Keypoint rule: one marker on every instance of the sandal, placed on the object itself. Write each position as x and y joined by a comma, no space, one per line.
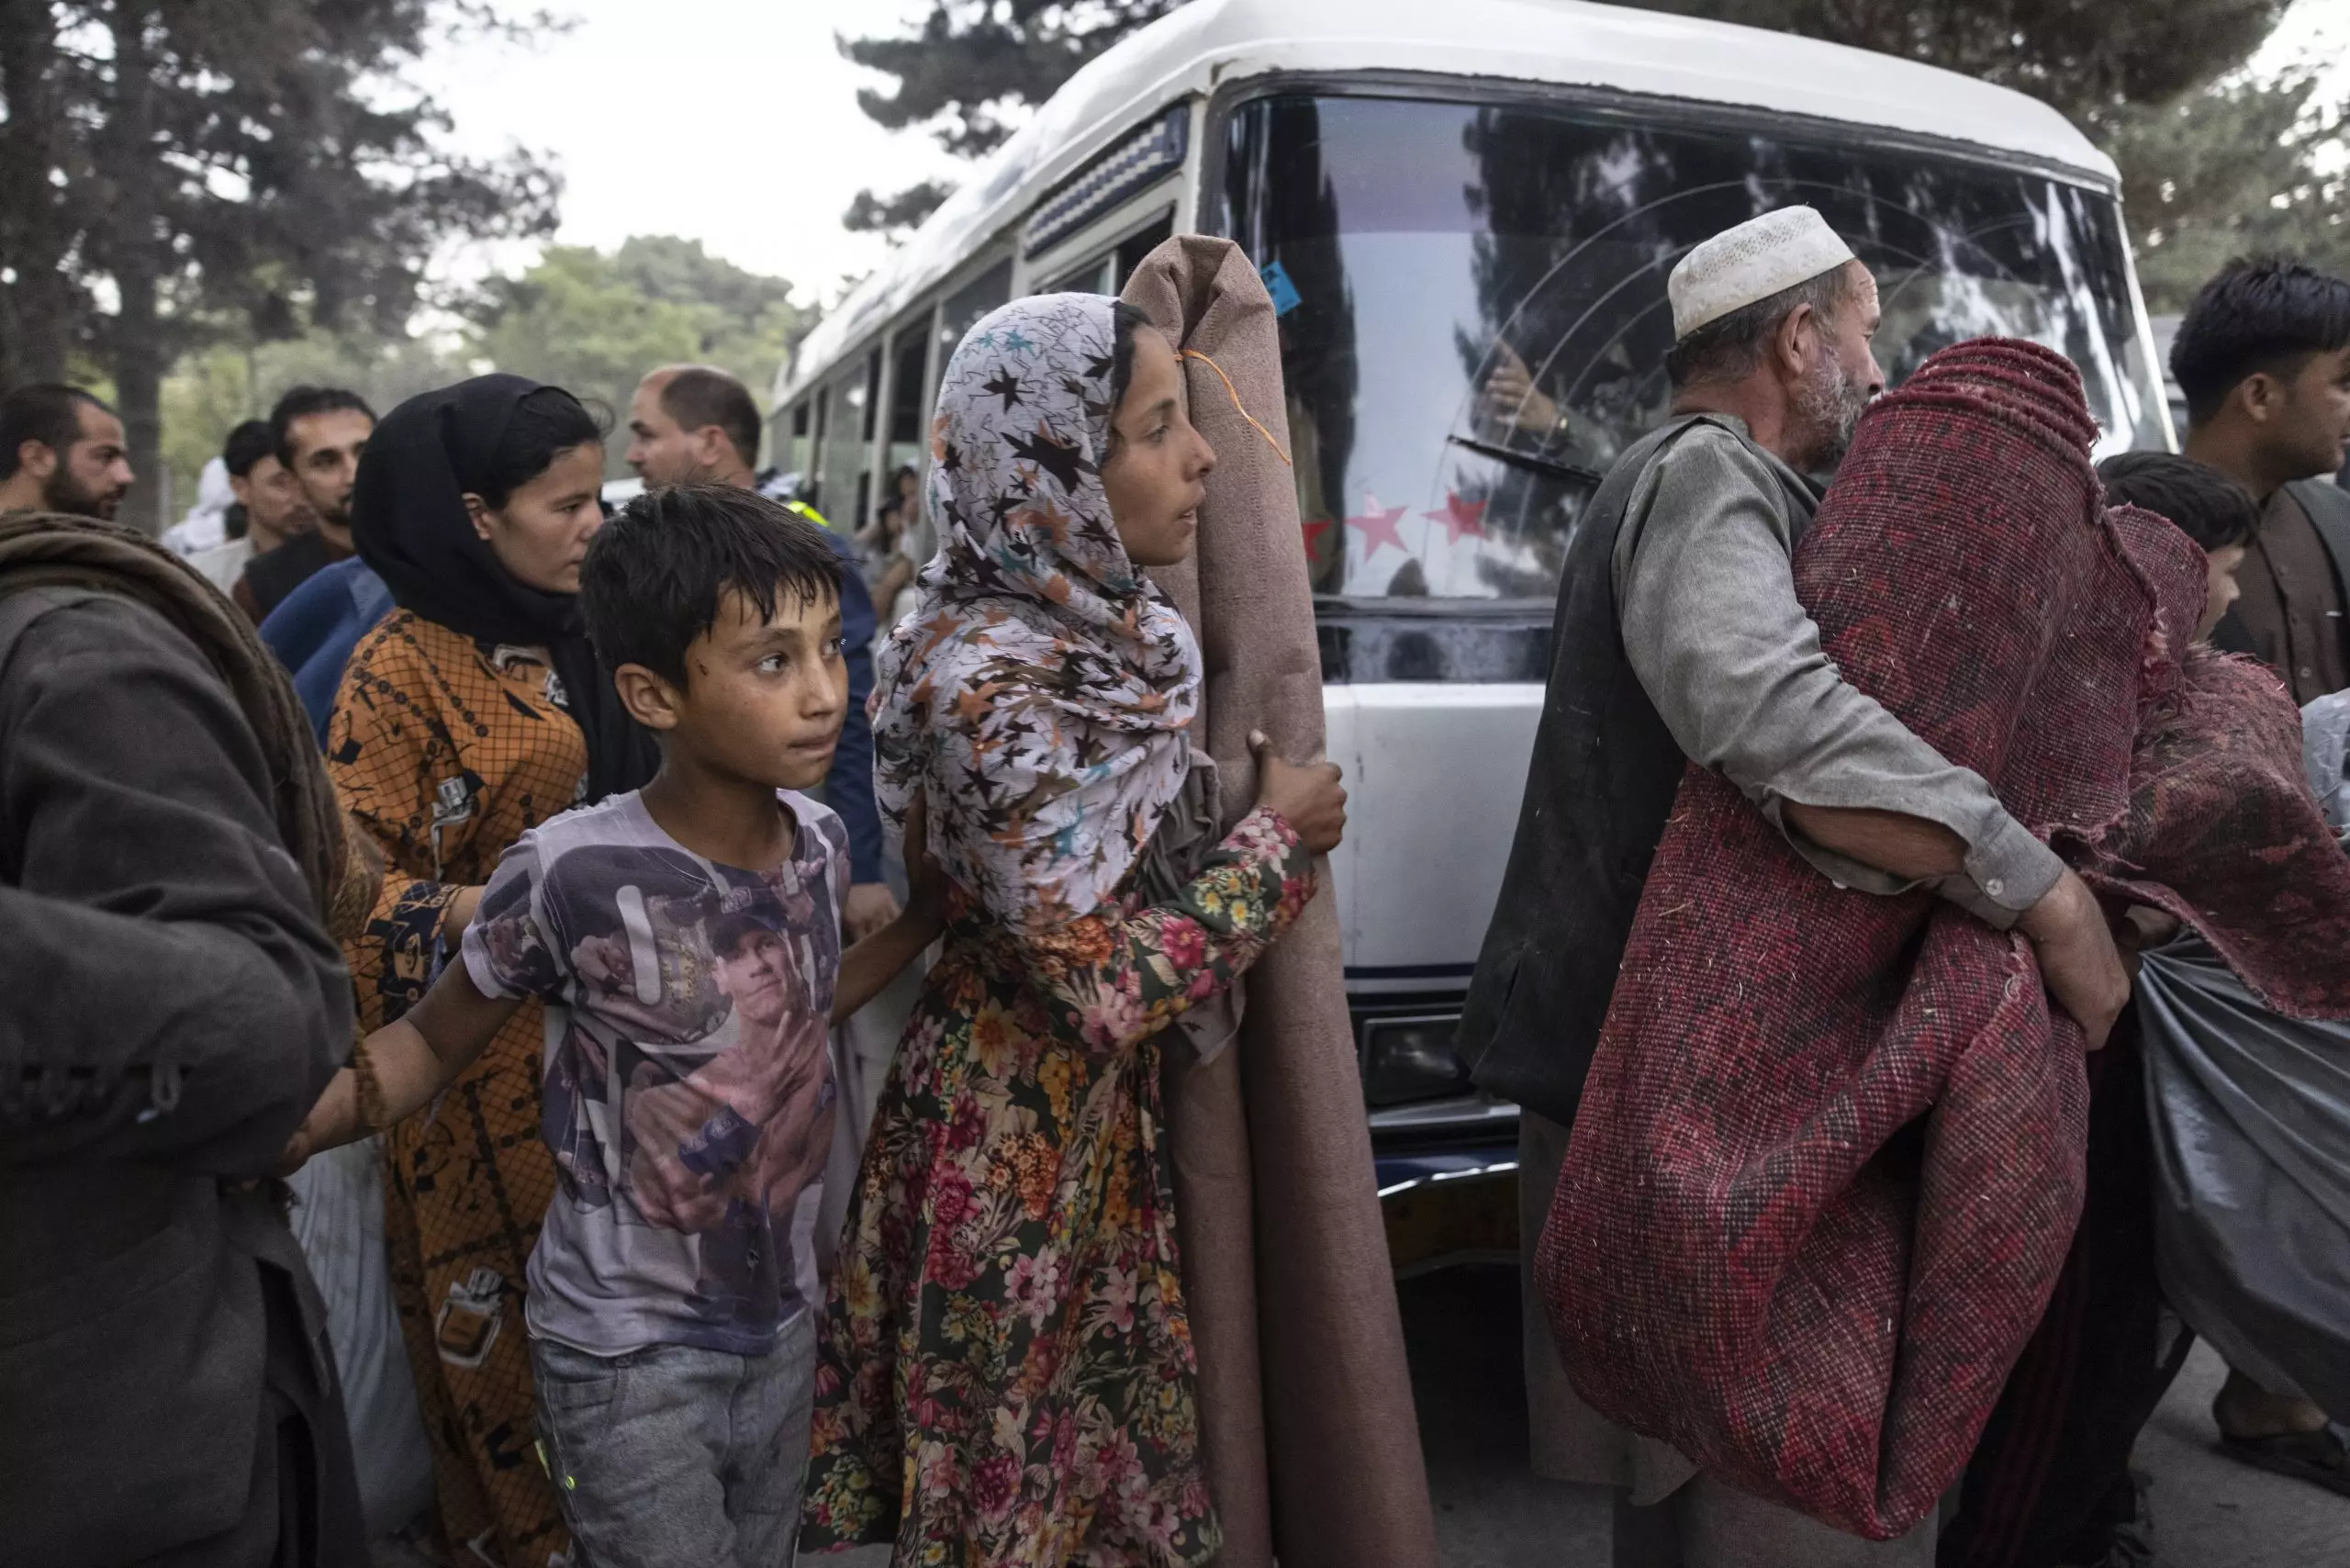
2320,1456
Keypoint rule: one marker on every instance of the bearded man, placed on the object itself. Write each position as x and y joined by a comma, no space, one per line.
1679,639
62,450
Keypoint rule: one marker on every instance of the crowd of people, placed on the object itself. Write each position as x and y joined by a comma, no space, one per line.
537,852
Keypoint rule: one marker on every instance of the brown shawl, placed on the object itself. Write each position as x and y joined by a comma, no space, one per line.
1312,1448
54,550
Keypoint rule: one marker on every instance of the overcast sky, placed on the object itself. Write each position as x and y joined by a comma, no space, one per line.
734,122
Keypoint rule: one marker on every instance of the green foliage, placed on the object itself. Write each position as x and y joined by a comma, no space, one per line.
596,324
2084,56
212,390
578,318
969,58
179,173
965,64
2227,172
895,214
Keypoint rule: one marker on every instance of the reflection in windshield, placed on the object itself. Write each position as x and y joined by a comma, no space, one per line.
1475,321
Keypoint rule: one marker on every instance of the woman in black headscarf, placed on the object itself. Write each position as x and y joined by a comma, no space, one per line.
473,712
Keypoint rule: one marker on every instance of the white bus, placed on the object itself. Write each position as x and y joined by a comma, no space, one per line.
1445,196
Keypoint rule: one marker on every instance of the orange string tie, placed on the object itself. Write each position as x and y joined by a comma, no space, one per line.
1233,393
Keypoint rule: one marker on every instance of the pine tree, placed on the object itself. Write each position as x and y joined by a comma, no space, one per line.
224,167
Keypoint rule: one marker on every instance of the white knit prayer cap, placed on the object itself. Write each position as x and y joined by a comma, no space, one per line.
1754,261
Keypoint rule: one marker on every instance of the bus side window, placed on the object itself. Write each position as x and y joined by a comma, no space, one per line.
1091,278
1136,247
975,299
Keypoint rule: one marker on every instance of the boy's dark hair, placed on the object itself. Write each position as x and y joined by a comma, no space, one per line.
1729,347
47,411
546,423
246,445
2207,505
300,403
654,574
2258,315
699,395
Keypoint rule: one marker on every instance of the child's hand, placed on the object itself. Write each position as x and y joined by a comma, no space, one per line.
1308,796
334,1120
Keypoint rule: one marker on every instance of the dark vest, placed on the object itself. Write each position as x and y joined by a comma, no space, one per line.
276,573
2328,506
1604,777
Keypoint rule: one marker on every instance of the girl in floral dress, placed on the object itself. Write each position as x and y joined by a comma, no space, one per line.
1006,1370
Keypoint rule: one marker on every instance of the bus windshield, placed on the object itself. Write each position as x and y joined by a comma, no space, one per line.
1473,316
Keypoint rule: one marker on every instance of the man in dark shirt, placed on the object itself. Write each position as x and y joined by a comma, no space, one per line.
168,846
2264,357
321,432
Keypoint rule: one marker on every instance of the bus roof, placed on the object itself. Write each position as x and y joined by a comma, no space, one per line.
1210,42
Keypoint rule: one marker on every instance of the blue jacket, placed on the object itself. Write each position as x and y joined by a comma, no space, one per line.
848,787
313,629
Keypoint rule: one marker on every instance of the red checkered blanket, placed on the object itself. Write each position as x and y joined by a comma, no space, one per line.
1831,1153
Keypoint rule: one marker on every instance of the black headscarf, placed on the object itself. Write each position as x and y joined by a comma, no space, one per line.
409,521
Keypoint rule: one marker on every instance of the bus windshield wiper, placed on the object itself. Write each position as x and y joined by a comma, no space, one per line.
1550,467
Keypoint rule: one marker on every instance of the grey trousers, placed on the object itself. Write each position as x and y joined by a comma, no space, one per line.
674,1455
1657,1509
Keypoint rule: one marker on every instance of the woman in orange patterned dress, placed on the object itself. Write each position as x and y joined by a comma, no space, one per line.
473,712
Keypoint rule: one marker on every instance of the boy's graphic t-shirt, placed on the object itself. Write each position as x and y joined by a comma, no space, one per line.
688,1086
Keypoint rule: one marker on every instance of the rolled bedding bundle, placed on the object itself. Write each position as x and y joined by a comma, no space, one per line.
1830,1154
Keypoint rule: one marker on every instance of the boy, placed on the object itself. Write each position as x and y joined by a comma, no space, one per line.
2206,505
2262,356
686,940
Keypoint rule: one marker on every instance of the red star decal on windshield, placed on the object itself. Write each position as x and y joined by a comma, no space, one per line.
1461,519
1314,528
1378,525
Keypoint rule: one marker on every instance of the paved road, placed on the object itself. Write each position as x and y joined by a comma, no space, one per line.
1462,1326
1463,1329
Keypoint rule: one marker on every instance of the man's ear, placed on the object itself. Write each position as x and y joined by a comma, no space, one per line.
649,700
1795,342
711,449
2259,396
36,458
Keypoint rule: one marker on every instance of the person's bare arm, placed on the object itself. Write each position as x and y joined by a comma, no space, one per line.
875,961
413,1059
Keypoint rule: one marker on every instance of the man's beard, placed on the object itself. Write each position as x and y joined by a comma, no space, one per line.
63,492
1828,404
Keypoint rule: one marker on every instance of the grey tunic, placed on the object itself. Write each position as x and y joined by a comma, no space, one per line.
1713,629
174,1005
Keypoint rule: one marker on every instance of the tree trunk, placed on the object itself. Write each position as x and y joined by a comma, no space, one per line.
35,308
135,252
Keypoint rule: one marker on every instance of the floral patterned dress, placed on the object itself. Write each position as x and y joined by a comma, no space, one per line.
1006,1375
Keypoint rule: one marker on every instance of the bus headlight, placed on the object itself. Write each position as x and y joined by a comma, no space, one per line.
1411,1058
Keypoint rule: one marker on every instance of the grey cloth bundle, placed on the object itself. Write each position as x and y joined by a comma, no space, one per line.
2325,739
2252,1145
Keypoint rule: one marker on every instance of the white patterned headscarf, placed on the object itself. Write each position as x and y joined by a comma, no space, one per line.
1041,692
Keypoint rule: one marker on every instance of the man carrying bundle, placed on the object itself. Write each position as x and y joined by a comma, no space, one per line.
1680,638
